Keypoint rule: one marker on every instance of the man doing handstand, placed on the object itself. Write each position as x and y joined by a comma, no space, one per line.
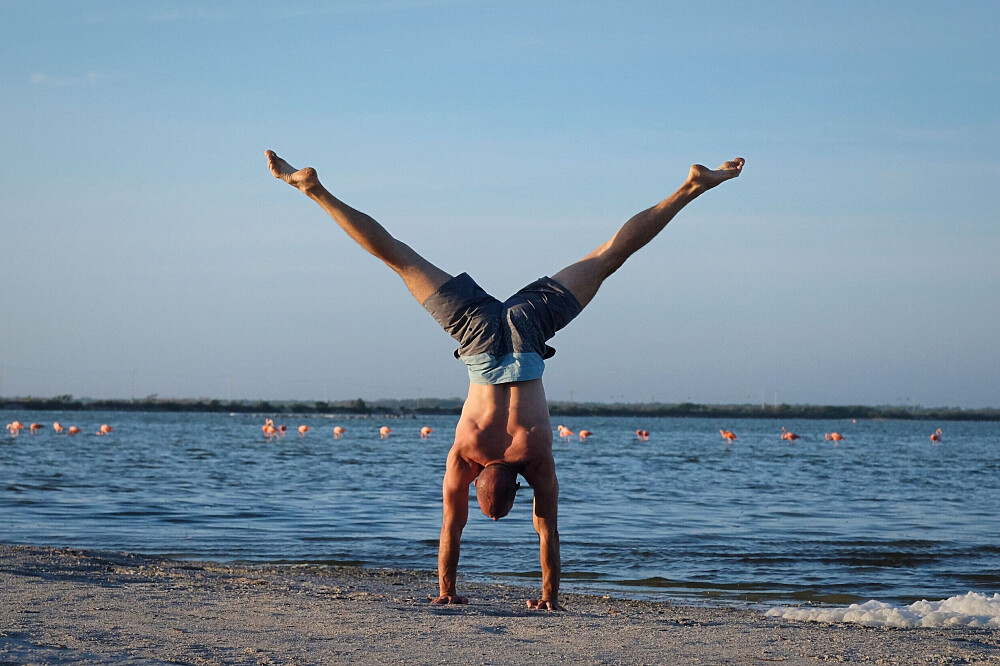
504,429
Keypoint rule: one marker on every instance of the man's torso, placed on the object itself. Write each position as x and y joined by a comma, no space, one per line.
507,423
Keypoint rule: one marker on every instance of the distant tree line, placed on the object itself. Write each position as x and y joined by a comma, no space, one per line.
781,411
154,403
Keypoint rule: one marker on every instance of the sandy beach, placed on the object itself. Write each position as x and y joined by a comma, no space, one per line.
71,606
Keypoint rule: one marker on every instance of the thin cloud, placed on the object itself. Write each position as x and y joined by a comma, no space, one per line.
226,14
91,78
368,6
198,14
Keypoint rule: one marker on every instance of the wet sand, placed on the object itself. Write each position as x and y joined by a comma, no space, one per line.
72,606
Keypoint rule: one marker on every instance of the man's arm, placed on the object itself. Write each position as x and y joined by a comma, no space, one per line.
546,488
457,478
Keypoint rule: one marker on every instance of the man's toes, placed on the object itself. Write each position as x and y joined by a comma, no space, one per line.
733,165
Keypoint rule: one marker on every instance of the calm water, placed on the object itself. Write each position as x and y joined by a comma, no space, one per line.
886,514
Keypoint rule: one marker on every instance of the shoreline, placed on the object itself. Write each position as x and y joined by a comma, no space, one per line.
429,407
62,605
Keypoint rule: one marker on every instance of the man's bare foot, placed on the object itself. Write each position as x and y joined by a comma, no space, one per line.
303,179
705,178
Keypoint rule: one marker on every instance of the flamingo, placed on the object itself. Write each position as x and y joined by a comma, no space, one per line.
73,430
384,431
788,434
337,432
303,429
643,435
564,433
728,435
584,434
105,429
35,427
282,430
57,427
425,432
935,436
834,437
267,423
270,432
15,428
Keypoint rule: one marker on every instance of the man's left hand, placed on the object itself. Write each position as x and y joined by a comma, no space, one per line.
449,599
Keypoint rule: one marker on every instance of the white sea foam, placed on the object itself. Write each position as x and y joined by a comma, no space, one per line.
965,610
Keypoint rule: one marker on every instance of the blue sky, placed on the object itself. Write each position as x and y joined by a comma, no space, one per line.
854,261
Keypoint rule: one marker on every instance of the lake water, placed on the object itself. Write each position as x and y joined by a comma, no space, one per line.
885,514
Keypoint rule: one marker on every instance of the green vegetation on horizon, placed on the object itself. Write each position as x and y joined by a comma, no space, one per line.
153,403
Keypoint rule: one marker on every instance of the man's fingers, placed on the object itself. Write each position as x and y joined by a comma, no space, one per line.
449,599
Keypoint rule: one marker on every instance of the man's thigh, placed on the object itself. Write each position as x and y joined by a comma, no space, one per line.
582,278
421,277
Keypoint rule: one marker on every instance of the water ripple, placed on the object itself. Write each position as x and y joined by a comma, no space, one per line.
882,514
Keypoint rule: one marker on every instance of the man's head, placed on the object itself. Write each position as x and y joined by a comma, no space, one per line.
495,488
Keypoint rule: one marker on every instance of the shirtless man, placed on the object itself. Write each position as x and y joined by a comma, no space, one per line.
504,429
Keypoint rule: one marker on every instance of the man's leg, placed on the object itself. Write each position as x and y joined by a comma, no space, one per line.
422,277
584,277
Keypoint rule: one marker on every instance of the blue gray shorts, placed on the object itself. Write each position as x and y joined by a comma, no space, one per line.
502,342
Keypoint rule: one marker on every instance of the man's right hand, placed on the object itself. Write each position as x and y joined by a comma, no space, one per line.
544,604
450,599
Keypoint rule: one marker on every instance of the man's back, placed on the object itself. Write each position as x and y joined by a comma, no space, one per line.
506,423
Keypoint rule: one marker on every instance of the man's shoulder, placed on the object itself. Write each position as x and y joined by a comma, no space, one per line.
461,459
540,470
